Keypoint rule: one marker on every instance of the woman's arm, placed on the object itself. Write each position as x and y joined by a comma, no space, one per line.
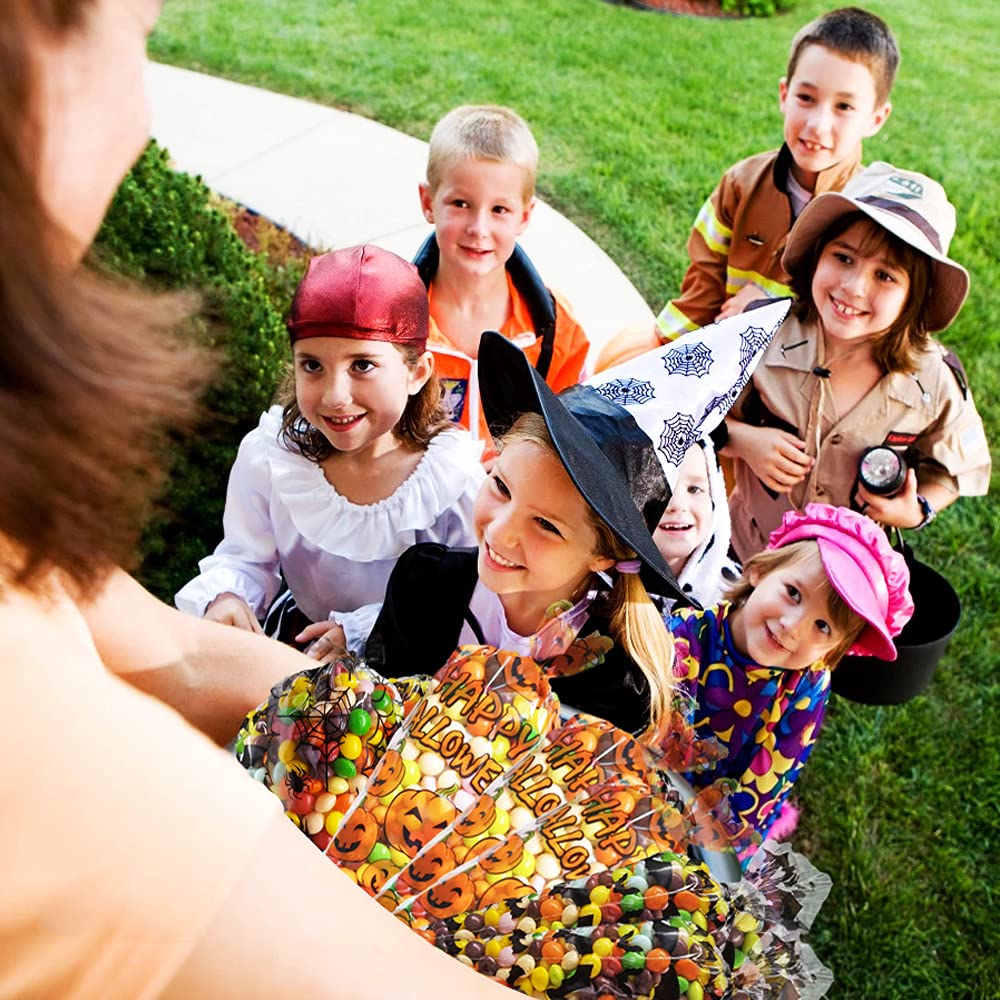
323,937
209,673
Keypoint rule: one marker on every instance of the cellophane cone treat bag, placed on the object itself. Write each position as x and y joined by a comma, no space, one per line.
484,711
554,856
661,927
583,801
317,739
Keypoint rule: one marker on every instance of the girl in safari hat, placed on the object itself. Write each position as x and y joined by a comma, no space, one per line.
855,365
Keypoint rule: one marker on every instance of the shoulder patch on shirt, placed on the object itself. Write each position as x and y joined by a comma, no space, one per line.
973,440
899,439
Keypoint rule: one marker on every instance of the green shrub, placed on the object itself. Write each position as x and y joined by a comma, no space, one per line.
757,8
167,229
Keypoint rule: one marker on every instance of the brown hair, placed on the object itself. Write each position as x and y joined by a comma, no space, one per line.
424,417
634,620
843,616
482,132
855,34
899,347
89,378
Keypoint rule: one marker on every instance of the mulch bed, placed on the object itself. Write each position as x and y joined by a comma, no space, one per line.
262,235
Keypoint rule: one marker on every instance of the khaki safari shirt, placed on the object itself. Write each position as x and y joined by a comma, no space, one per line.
929,414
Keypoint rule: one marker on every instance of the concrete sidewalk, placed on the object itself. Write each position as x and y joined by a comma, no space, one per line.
337,179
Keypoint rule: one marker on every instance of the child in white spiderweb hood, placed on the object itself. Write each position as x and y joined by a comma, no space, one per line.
694,531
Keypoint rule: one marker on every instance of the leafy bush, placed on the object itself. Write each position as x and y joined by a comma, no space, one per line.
757,8
167,229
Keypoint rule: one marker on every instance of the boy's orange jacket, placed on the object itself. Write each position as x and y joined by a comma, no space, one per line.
540,323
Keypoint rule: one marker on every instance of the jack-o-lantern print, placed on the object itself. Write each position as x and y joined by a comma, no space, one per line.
414,818
668,828
471,669
503,857
705,817
430,865
479,818
356,837
508,888
388,774
452,896
630,760
521,675
374,875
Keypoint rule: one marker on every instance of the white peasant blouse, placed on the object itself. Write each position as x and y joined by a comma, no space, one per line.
282,517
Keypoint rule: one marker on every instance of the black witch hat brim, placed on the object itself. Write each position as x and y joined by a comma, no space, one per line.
609,458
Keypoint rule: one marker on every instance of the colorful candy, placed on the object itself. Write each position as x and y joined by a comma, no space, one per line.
319,731
559,945
531,851
441,773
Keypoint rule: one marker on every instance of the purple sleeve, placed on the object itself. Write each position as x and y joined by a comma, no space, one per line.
779,757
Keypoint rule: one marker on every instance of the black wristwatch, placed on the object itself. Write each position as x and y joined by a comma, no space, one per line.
929,513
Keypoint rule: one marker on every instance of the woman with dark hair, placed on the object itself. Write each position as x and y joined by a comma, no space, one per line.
120,880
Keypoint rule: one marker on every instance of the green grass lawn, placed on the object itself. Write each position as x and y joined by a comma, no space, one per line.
636,115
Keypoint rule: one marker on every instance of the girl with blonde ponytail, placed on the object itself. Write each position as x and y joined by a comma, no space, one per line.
636,622
564,528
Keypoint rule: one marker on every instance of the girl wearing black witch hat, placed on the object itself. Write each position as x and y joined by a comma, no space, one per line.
566,563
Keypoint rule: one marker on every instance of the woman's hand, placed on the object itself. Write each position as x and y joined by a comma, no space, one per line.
228,609
778,459
329,637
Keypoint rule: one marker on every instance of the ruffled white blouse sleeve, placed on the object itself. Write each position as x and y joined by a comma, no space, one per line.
284,519
246,561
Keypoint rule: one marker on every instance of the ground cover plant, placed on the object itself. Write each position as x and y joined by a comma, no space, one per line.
167,229
636,115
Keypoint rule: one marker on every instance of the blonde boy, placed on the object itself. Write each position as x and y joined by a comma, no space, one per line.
834,94
479,196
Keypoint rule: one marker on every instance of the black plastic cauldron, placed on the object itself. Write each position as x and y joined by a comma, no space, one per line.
920,645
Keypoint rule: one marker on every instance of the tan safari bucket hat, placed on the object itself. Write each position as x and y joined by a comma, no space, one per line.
909,205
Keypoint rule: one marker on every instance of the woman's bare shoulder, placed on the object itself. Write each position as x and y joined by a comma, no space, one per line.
41,624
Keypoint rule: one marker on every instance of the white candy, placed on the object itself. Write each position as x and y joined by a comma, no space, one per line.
463,799
448,779
547,867
324,802
430,763
520,817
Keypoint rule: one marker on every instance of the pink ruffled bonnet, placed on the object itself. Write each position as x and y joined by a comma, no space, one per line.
867,572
